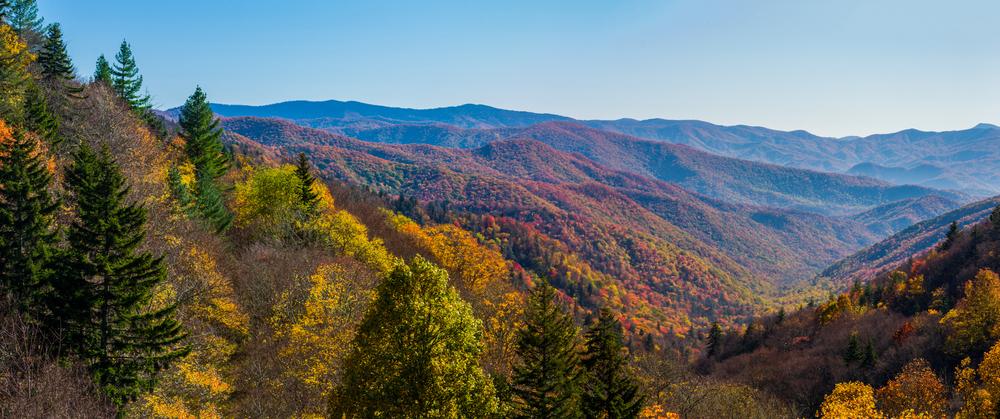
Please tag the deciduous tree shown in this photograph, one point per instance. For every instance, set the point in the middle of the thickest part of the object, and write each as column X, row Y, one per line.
column 416, row 352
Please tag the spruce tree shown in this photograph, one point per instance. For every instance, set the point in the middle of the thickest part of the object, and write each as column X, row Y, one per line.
column 308, row 197
column 53, row 58
column 126, row 81
column 416, row 353
column 203, row 145
column 950, row 236
column 714, row 345
column 23, row 16
column 104, row 287
column 37, row 116
column 180, row 191
column 27, row 212
column 547, row 376
column 610, row 390
column 102, row 71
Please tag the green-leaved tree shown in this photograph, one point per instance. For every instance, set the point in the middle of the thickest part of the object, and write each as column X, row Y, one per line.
column 416, row 353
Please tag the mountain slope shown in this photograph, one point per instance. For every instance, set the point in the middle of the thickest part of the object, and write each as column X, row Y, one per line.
column 530, row 180
column 914, row 240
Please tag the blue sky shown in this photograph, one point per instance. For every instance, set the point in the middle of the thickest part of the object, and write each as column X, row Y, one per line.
column 830, row 67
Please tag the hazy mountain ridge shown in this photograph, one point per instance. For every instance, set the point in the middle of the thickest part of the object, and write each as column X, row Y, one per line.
column 967, row 158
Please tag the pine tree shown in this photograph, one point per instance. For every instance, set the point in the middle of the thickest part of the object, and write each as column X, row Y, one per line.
column 714, row 344
column 868, row 356
column 126, row 81
column 309, row 198
column 103, row 296
column 53, row 58
column 416, row 353
column 547, row 377
column 853, row 351
column 610, row 390
column 23, row 16
column 949, row 238
column 102, row 71
column 180, row 191
column 203, row 145
column 27, row 212
column 38, row 118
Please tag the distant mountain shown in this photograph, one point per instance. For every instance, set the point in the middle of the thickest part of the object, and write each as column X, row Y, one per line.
column 333, row 114
column 967, row 159
column 912, row 241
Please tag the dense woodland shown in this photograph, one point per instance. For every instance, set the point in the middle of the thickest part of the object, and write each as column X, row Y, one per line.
column 159, row 268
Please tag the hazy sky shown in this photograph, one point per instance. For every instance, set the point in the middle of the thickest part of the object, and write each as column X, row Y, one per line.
column 830, row 67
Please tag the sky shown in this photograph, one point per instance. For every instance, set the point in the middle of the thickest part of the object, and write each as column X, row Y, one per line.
column 836, row 68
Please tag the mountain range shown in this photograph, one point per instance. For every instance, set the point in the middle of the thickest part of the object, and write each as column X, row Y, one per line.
column 660, row 208
column 962, row 160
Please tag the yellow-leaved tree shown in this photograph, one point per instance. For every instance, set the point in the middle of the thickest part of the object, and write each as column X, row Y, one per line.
column 978, row 389
column 313, row 327
column 916, row 390
column 974, row 323
column 850, row 400
column 200, row 384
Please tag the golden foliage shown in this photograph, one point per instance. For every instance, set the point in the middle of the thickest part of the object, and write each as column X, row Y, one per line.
column 850, row 400
column 975, row 320
column 916, row 390
column 315, row 333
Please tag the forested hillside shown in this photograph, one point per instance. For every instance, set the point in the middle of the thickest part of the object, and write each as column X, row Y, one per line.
column 151, row 270
column 918, row 340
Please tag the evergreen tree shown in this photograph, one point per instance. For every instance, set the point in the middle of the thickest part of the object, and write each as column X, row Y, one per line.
column 868, row 356
column 126, row 81
column 853, row 351
column 27, row 211
column 949, row 238
column 53, row 58
column 303, row 170
column 714, row 344
column 610, row 390
column 38, row 118
column 416, row 353
column 23, row 16
column 102, row 71
column 203, row 145
column 547, row 377
column 180, row 191
column 104, row 287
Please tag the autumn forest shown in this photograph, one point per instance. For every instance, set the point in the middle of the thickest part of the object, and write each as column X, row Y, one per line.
column 347, row 260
